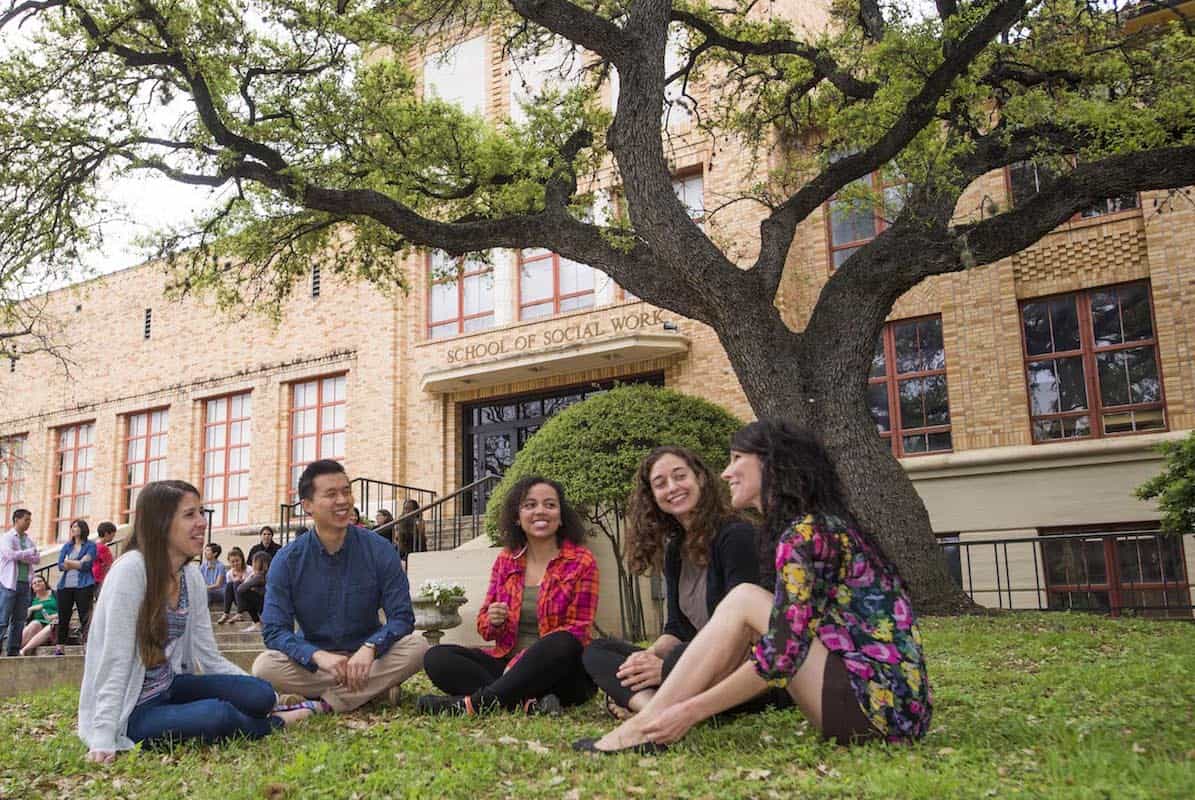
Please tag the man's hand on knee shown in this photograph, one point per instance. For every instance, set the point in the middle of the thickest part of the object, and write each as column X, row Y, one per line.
column 357, row 668
column 334, row 664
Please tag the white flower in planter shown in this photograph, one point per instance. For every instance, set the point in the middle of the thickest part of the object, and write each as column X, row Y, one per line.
column 440, row 592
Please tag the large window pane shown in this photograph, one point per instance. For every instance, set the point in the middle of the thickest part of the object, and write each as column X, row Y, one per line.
column 445, row 303
column 575, row 277
column 1057, row 386
column 536, row 281
column 851, row 221
column 458, row 75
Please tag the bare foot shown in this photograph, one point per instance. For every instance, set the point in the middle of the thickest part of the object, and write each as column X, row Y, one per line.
column 625, row 735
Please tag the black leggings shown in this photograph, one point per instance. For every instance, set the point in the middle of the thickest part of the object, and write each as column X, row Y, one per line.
column 251, row 602
column 550, row 666
column 68, row 600
column 230, row 595
column 603, row 658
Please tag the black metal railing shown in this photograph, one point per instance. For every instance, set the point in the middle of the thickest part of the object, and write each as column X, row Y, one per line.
column 369, row 495
column 1140, row 572
column 446, row 523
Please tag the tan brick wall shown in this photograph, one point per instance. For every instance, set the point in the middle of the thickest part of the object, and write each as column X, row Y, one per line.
column 397, row 431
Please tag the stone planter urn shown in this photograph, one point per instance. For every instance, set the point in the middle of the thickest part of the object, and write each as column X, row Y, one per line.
column 434, row 618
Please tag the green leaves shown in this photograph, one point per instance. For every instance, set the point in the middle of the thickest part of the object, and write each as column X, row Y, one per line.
column 594, row 447
column 1174, row 488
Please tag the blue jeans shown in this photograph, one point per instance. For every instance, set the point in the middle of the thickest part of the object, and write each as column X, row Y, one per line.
column 210, row 708
column 14, row 605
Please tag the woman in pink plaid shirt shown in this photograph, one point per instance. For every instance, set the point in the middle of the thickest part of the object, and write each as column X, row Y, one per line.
column 538, row 611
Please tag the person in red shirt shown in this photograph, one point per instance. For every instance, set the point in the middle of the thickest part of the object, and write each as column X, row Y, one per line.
column 538, row 612
column 104, row 556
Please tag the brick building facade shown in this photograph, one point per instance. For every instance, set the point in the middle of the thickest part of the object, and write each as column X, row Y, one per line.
column 431, row 389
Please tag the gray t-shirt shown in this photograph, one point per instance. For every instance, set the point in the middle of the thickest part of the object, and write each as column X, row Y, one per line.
column 691, row 589
column 528, row 618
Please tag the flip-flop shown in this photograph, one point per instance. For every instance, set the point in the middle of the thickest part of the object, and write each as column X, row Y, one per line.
column 641, row 749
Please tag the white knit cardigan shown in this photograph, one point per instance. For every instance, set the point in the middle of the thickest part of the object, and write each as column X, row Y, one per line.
column 112, row 669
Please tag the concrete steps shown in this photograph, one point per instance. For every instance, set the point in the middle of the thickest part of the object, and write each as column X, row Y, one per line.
column 225, row 641
column 25, row 674
column 45, row 670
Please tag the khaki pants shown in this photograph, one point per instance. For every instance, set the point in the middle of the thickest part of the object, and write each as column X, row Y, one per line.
column 401, row 661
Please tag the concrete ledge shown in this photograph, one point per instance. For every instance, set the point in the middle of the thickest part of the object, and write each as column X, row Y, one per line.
column 21, row 675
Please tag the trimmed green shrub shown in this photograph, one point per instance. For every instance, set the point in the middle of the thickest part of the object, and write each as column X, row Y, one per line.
column 592, row 448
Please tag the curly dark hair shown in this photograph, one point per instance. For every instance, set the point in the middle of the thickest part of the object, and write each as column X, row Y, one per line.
column 649, row 528
column 797, row 478
column 514, row 538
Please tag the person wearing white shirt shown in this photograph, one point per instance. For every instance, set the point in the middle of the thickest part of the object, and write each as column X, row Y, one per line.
column 18, row 557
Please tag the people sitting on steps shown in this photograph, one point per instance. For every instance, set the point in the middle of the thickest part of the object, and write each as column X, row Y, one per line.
column 235, row 575
column 333, row 582
column 251, row 596
column 152, row 671
column 43, row 616
column 678, row 516
column 538, row 611
column 214, row 573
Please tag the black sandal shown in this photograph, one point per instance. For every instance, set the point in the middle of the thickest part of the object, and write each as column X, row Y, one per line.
column 641, row 749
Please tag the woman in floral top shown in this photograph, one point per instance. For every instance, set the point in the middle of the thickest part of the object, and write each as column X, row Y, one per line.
column 839, row 631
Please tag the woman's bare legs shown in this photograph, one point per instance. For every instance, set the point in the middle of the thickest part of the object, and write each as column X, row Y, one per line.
column 719, row 649
column 40, row 637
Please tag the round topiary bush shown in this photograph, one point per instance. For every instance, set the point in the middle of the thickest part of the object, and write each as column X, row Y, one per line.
column 592, row 448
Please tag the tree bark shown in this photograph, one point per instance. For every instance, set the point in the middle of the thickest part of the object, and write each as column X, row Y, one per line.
column 820, row 383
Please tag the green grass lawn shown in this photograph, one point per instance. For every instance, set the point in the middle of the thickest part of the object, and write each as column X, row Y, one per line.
column 1031, row 705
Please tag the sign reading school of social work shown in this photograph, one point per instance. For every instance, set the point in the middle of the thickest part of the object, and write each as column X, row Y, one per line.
column 549, row 335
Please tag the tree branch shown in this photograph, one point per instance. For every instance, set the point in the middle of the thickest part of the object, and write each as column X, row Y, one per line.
column 823, row 64
column 1005, row 234
column 582, row 27
column 777, row 231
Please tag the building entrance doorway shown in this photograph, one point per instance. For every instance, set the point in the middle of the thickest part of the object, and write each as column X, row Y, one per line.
column 495, row 430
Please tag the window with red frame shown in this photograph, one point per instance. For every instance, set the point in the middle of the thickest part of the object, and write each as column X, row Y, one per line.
column 226, row 438
column 907, row 390
column 461, row 297
column 74, row 463
column 317, row 424
column 1091, row 363
column 1026, row 179
column 1115, row 568
column 144, row 456
column 12, row 475
column 550, row 284
column 861, row 212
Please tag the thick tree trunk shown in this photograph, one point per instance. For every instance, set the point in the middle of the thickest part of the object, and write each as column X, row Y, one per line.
column 825, row 391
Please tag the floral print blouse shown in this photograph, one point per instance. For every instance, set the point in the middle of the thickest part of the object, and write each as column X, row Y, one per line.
column 832, row 583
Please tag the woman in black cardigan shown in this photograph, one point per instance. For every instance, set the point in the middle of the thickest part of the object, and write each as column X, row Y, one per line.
column 680, row 518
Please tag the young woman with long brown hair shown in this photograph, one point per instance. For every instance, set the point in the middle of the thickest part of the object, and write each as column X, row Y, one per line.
column 838, row 631
column 678, row 519
column 152, row 631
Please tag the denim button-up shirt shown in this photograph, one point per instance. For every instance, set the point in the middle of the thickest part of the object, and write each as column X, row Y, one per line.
column 335, row 597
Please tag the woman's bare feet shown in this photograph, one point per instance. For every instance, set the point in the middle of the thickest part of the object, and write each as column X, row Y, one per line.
column 624, row 736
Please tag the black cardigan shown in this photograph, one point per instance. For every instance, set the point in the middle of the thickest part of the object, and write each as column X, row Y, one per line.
column 733, row 560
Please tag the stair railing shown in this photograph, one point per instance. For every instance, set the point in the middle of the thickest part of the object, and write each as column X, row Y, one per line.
column 446, row 523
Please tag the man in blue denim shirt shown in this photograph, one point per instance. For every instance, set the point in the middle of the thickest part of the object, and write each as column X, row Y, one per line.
column 334, row 583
